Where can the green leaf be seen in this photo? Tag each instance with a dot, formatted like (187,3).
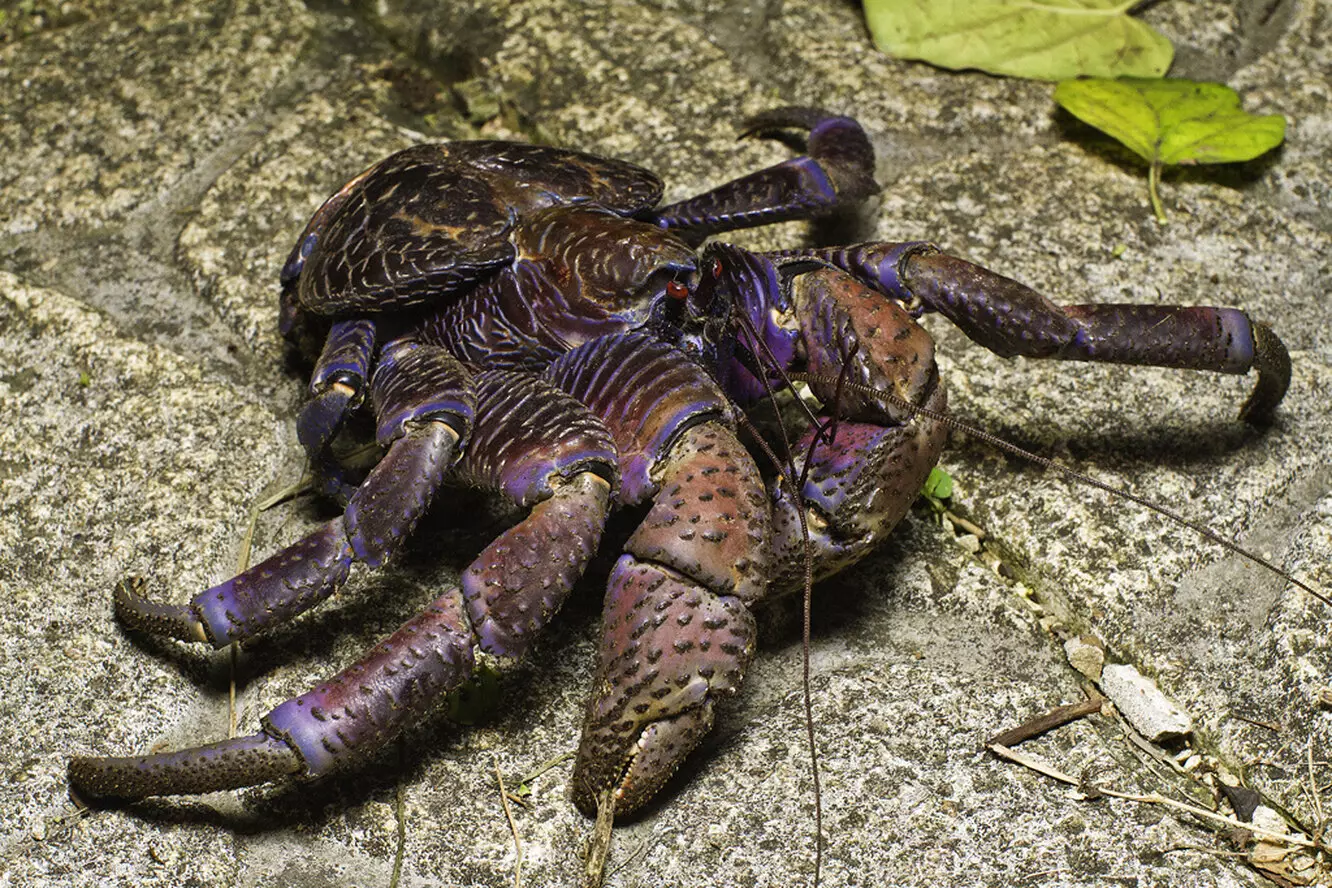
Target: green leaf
(939,485)
(1039,39)
(1172,121)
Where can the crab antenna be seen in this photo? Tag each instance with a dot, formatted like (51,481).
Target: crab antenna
(1048,463)
(748,357)
(787,477)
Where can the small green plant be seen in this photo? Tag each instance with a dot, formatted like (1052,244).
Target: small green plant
(1038,39)
(939,486)
(1172,122)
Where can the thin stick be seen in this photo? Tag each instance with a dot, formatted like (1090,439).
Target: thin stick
(545,766)
(974,529)
(1274,728)
(1060,715)
(598,847)
(1313,787)
(1151,799)
(400,814)
(513,827)
(233,649)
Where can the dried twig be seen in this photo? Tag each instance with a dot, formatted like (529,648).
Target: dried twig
(513,828)
(1151,799)
(1274,728)
(1060,715)
(598,846)
(958,521)
(1317,797)
(532,775)
(400,814)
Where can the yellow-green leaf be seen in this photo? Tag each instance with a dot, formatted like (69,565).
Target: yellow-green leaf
(939,485)
(1039,39)
(1172,121)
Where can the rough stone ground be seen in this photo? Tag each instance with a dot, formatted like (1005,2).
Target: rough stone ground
(159,159)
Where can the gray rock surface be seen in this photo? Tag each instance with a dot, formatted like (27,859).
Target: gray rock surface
(161,157)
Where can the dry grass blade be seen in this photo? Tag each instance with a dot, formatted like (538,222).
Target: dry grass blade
(598,846)
(1153,799)
(513,827)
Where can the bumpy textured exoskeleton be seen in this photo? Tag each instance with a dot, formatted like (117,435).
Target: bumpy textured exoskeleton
(527,320)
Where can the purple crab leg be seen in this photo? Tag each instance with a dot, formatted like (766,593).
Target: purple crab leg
(536,445)
(425,405)
(1011,319)
(837,172)
(677,631)
(337,387)
(542,449)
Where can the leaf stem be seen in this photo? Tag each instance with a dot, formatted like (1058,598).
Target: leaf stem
(1153,184)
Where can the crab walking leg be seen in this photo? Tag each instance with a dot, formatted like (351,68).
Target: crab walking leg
(536,445)
(1011,319)
(543,449)
(838,172)
(336,388)
(425,405)
(677,631)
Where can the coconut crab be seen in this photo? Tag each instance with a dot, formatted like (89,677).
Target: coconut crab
(528,321)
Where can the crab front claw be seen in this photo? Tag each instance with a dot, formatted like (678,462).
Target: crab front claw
(672,649)
(1011,319)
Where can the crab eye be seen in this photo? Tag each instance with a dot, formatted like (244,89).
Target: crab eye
(716,268)
(676,290)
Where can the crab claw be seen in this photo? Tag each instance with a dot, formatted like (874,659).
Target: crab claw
(671,650)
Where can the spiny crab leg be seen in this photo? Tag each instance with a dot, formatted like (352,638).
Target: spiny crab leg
(1009,318)
(838,172)
(678,632)
(535,445)
(424,404)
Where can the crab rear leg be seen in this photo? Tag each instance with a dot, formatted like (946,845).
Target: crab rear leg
(337,387)
(534,444)
(425,404)
(837,172)
(1011,319)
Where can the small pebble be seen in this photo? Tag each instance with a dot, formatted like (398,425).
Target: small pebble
(1086,654)
(1143,705)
